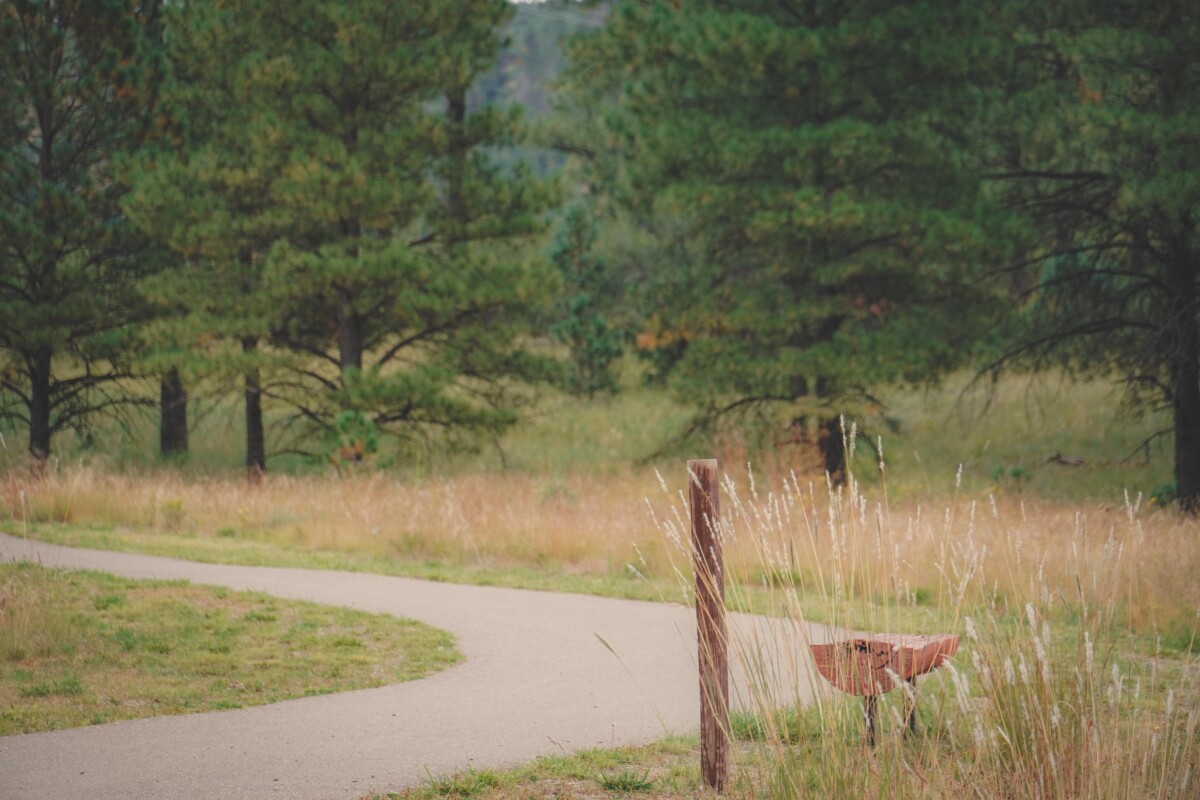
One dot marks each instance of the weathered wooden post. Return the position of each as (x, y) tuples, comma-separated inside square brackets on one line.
[(710, 623)]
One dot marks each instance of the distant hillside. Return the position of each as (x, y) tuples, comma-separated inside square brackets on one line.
[(533, 57)]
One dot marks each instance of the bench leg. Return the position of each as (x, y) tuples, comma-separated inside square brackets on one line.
[(869, 705), (911, 704)]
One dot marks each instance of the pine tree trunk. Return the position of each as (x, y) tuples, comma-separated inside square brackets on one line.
[(1020, 277), (256, 451), (173, 423), (456, 211), (39, 411), (1185, 388), (349, 335), (1183, 353), (832, 444), (1187, 441)]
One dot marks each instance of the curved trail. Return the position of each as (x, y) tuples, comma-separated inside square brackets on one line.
[(536, 680)]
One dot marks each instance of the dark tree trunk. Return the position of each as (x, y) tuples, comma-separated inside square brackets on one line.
[(1183, 342), (173, 423), (39, 410), (1185, 390), (1020, 277), (832, 444), (1187, 440), (456, 211), (350, 335), (256, 449)]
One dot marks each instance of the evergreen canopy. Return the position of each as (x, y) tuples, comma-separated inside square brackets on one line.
[(78, 89), (339, 197), (806, 172)]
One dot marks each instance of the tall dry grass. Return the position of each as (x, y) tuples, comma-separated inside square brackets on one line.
[(1064, 685), (953, 552), (971, 549), (580, 523), (34, 620)]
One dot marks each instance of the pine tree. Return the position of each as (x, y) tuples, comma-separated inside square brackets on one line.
[(806, 175), (345, 190), (593, 344), (79, 90), (1096, 147), (205, 192)]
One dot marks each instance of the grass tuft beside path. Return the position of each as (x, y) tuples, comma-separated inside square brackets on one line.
[(666, 770)]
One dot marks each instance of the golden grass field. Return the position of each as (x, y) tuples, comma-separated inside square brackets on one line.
[(584, 524)]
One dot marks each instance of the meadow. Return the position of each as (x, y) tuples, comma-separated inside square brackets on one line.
[(1039, 531), (566, 507)]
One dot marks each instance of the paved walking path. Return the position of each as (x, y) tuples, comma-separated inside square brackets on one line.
[(536, 680)]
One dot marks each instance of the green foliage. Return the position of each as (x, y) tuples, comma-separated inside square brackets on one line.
[(357, 247), (354, 440), (1095, 147), (1164, 495), (80, 83), (806, 178), (594, 346)]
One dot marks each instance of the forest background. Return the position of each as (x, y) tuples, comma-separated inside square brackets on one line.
[(357, 237)]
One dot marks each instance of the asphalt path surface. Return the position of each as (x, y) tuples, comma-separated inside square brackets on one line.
[(543, 673)]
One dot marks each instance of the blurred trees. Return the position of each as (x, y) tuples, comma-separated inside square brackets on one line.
[(830, 197), (592, 343), (532, 56)]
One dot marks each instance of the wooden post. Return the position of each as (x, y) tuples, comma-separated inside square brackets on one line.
[(710, 624)]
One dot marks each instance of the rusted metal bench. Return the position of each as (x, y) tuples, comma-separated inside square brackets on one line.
[(871, 664)]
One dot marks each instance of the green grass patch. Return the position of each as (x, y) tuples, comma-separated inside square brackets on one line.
[(788, 725), (80, 648), (665, 770), (469, 783), (1006, 437), (66, 686), (626, 781)]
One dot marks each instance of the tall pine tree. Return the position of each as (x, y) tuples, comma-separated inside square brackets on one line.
[(580, 323), (346, 186), (205, 192), (80, 84), (805, 171), (1097, 147)]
